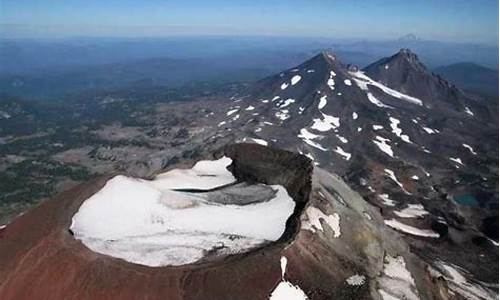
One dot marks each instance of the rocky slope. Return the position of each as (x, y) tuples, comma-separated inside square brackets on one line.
[(412, 144), (335, 246)]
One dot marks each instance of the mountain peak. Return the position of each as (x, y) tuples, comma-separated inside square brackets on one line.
[(324, 57), (408, 38)]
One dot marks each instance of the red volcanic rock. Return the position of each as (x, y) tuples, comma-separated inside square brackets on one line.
[(40, 259)]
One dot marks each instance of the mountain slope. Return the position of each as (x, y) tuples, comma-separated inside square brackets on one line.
[(408, 141), (328, 250)]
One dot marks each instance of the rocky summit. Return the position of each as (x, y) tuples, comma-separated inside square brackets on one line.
[(324, 181)]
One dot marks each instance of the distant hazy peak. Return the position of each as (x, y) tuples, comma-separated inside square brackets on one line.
[(408, 37)]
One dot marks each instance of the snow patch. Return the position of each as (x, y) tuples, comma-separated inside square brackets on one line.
[(308, 138), (295, 79), (344, 154), (363, 81), (398, 131), (327, 123), (386, 200), (383, 145), (429, 130), (459, 284), (412, 211), (392, 176), (470, 149), (356, 280), (393, 223), (468, 111), (322, 102), (396, 281), (313, 219), (232, 112), (150, 223), (457, 160), (285, 289)]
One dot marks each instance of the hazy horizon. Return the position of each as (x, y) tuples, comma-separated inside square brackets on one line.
[(458, 21)]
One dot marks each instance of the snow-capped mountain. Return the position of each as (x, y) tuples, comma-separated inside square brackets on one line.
[(410, 142), (398, 200)]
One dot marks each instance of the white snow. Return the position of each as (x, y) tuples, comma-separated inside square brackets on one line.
[(285, 289), (286, 103), (383, 145), (313, 217), (231, 112), (396, 281), (356, 280), (429, 130), (264, 101), (362, 80), (392, 176), (257, 141), (410, 229), (377, 127), (386, 200), (344, 154), (275, 98), (284, 85), (221, 123), (377, 102), (282, 114), (301, 110), (250, 108), (328, 122), (359, 129), (398, 131), (308, 137), (322, 102), (354, 115), (310, 71), (470, 149), (347, 82), (414, 177), (395, 267), (331, 82), (204, 175), (148, 223), (386, 67), (459, 284), (468, 111), (295, 79), (457, 160), (412, 211), (342, 139)]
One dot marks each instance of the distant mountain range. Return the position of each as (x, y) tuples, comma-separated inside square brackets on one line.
[(472, 77), (47, 69)]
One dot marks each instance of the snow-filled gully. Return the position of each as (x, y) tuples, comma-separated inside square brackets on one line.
[(185, 216)]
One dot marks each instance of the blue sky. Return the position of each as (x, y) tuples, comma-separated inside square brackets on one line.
[(450, 20)]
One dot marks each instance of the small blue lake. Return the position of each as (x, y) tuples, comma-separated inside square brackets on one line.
[(466, 199)]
